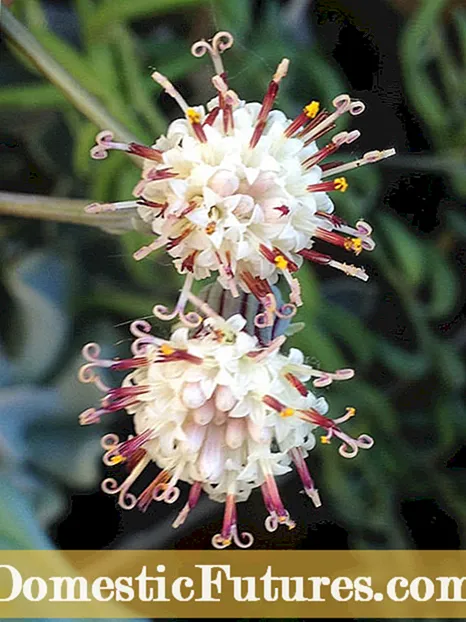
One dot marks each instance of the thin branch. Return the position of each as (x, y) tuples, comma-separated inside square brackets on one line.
[(61, 210), (86, 103)]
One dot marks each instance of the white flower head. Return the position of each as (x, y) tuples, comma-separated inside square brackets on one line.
[(238, 190), (218, 409)]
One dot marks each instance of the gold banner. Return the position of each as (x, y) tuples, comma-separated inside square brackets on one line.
[(232, 584)]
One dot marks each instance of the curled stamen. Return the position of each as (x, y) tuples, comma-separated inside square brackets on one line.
[(147, 496), (286, 311), (271, 522), (325, 378), (86, 375), (229, 531), (105, 142), (351, 446), (242, 540), (125, 450), (109, 441), (362, 230), (140, 328), (126, 500), (342, 104), (167, 493), (267, 317), (191, 319), (222, 41)]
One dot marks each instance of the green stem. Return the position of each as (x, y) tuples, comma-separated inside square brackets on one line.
[(60, 210), (86, 103)]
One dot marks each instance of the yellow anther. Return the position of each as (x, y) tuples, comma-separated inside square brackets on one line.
[(210, 227), (287, 412), (350, 411), (312, 109), (354, 244), (325, 440), (341, 184), (166, 349), (114, 460), (193, 116), (281, 262)]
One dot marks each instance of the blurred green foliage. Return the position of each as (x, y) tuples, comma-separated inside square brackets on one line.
[(414, 280)]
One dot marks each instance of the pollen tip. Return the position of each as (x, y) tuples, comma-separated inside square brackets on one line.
[(315, 497)]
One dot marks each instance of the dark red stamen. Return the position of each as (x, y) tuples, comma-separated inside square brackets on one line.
[(323, 114), (175, 241), (258, 287), (160, 174), (278, 258), (273, 403), (135, 459), (147, 495), (323, 131), (314, 256), (349, 244), (329, 165), (145, 152), (317, 419), (283, 209), (188, 262), (212, 116), (337, 221), (146, 203), (320, 155), (297, 384), (267, 104), (124, 364)]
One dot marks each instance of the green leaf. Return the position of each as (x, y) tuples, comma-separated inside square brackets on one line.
[(19, 529), (404, 248), (444, 286), (351, 331), (450, 364), (414, 51), (457, 223), (404, 364), (32, 97), (138, 83), (110, 11), (310, 291), (317, 345)]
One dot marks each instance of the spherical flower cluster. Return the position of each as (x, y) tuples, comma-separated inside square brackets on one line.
[(218, 410), (239, 190)]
